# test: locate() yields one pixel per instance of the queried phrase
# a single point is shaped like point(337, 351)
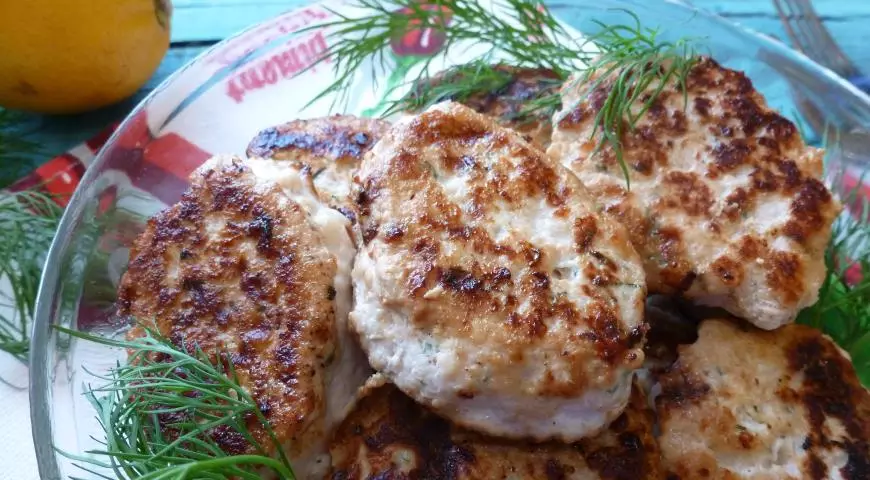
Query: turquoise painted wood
point(198, 24)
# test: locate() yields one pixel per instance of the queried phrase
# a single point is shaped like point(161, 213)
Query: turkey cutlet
point(389, 436)
point(725, 206)
point(329, 148)
point(488, 288)
point(514, 89)
point(743, 403)
point(251, 263)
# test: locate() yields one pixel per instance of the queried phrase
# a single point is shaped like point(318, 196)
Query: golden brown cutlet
point(488, 287)
point(726, 204)
point(238, 267)
point(743, 403)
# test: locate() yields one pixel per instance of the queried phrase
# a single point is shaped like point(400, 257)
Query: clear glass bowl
point(141, 170)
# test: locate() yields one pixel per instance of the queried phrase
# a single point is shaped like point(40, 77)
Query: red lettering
point(285, 64)
point(250, 79)
point(270, 72)
point(266, 33)
point(318, 47)
point(313, 50)
point(288, 62)
point(314, 14)
point(305, 53)
point(235, 91)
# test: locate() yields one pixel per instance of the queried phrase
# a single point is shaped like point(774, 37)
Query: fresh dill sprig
point(163, 408)
point(634, 66)
point(17, 150)
point(629, 60)
point(28, 220)
point(478, 78)
point(843, 308)
point(458, 83)
point(544, 105)
point(529, 36)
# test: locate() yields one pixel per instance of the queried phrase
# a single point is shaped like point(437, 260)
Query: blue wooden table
point(197, 24)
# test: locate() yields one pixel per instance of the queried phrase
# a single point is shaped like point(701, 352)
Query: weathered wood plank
point(846, 19)
point(847, 34)
point(218, 19)
point(760, 16)
point(828, 9)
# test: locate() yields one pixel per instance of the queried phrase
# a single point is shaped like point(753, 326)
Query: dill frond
point(18, 150)
point(635, 66)
point(458, 83)
point(843, 308)
point(161, 409)
point(479, 79)
point(368, 37)
point(28, 220)
point(526, 36)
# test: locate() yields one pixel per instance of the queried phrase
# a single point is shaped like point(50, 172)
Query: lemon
point(72, 56)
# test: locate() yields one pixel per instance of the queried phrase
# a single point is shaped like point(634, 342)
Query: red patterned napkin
point(61, 175)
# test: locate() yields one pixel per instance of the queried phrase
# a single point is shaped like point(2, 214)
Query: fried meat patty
point(389, 436)
point(488, 288)
point(726, 205)
point(328, 148)
point(250, 262)
point(743, 403)
point(514, 89)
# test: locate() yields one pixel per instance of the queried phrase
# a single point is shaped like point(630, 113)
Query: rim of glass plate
point(39, 383)
point(39, 378)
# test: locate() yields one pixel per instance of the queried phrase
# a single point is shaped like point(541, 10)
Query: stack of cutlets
point(462, 294)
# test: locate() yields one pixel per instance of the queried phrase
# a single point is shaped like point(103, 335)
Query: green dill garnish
point(843, 308)
point(529, 36)
point(458, 83)
point(18, 151)
point(28, 221)
point(635, 66)
point(480, 78)
point(162, 409)
point(356, 40)
point(544, 105)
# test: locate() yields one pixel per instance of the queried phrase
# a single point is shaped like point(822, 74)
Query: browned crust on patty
point(404, 209)
point(701, 176)
point(328, 148)
point(507, 103)
point(740, 395)
point(237, 268)
point(318, 142)
point(388, 436)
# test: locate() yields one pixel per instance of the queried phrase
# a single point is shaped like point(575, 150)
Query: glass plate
point(251, 81)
